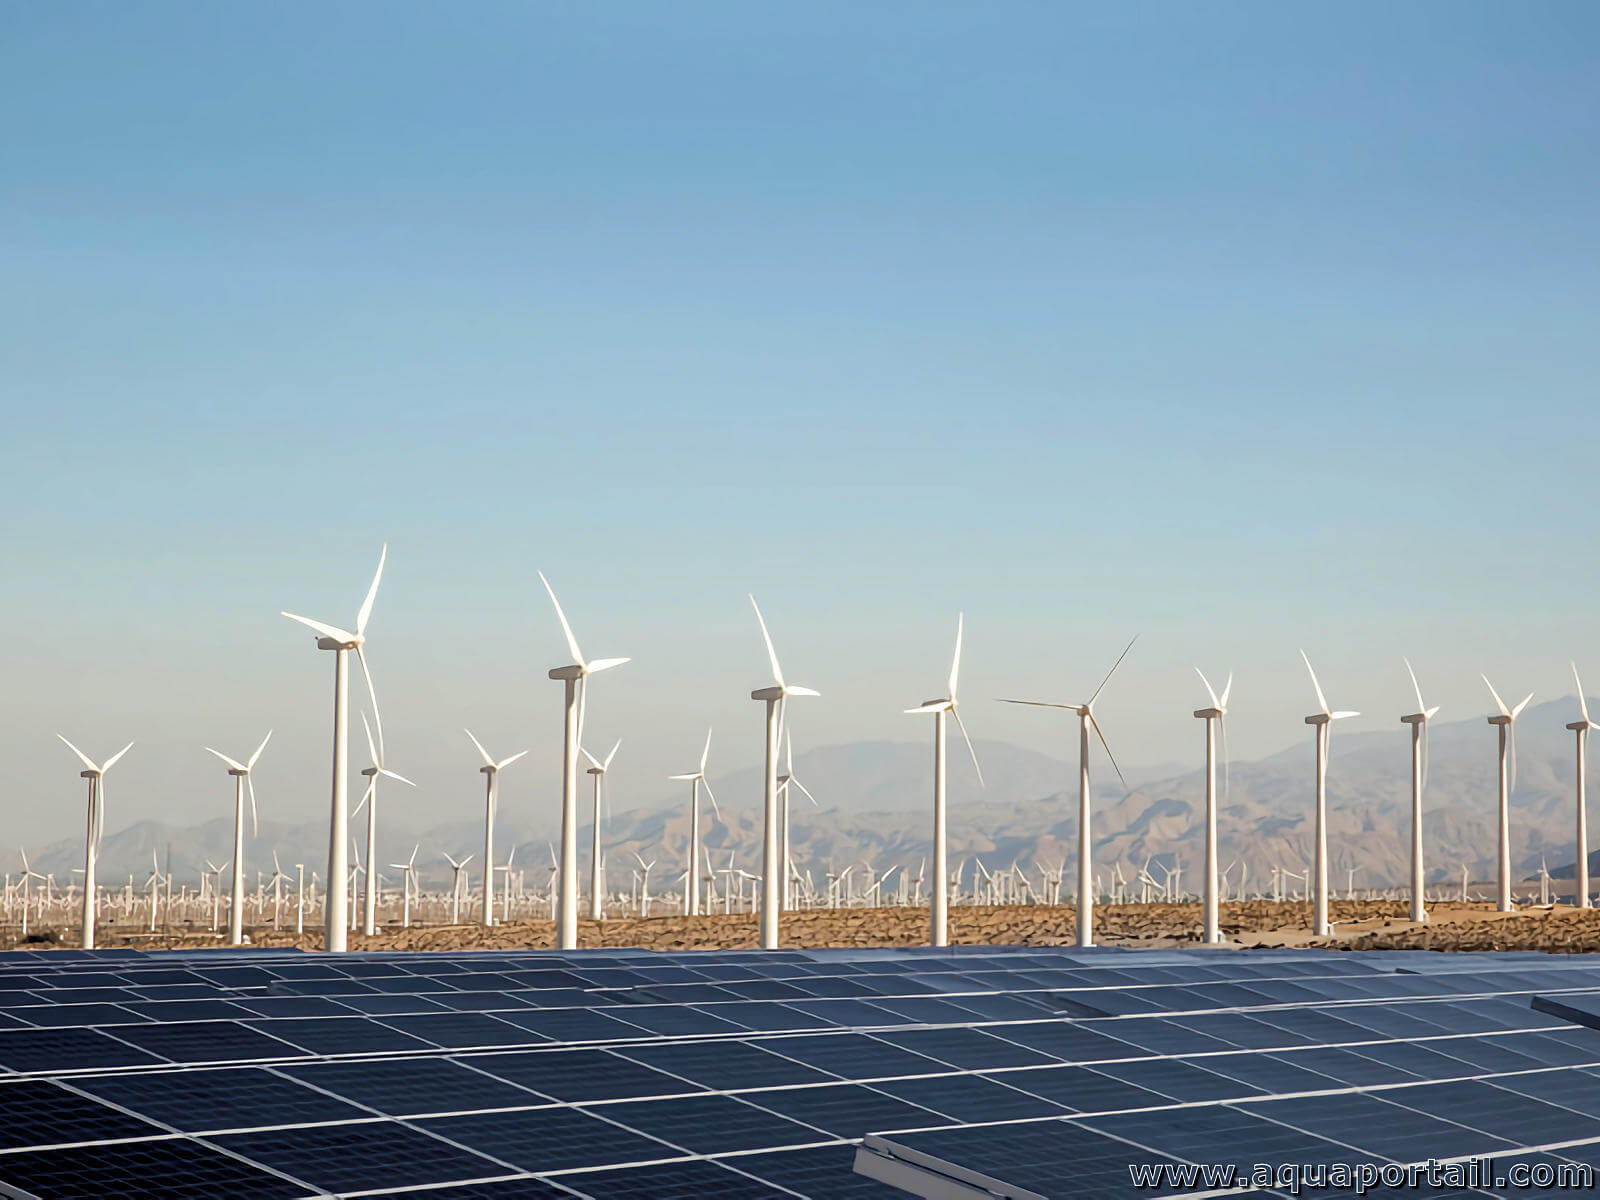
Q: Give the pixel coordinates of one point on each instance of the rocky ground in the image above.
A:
(1359, 925)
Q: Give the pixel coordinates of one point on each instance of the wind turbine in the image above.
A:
(1581, 729)
(491, 801)
(776, 698)
(1217, 713)
(1322, 723)
(939, 897)
(596, 904)
(1086, 720)
(96, 827)
(1506, 720)
(369, 896)
(1419, 780)
(784, 780)
(408, 873)
(575, 675)
(696, 779)
(341, 642)
(28, 876)
(243, 786)
(455, 885)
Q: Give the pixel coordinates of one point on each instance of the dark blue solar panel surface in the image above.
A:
(620, 1073)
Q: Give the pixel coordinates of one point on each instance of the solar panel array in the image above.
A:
(1021, 1072)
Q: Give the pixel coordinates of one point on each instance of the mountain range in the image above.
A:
(875, 801)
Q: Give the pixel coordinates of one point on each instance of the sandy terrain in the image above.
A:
(1360, 925)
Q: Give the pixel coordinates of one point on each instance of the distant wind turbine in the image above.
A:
(696, 779)
(1086, 721)
(1322, 723)
(1506, 721)
(1581, 729)
(369, 893)
(243, 785)
(1419, 780)
(776, 698)
(575, 675)
(784, 781)
(598, 770)
(96, 827)
(341, 642)
(942, 710)
(491, 779)
(1212, 716)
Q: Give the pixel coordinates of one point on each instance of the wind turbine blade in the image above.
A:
(788, 745)
(955, 662)
(384, 771)
(604, 664)
(772, 655)
(805, 791)
(252, 759)
(1521, 704)
(962, 725)
(372, 749)
(82, 757)
(615, 747)
(487, 761)
(506, 762)
(250, 790)
(372, 698)
(1583, 704)
(796, 690)
(1039, 704)
(1113, 670)
(1215, 703)
(1342, 713)
(936, 706)
(1499, 703)
(1322, 701)
(1107, 745)
(372, 592)
(1227, 688)
(362, 803)
(329, 631)
(590, 757)
(706, 753)
(1227, 761)
(583, 702)
(566, 629)
(237, 766)
(711, 796)
(413, 857)
(112, 761)
(1415, 686)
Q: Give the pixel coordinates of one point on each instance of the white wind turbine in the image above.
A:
(1212, 716)
(243, 785)
(1086, 720)
(369, 894)
(491, 802)
(341, 642)
(28, 876)
(598, 770)
(408, 875)
(96, 827)
(939, 896)
(784, 780)
(1581, 729)
(1322, 722)
(697, 779)
(575, 676)
(776, 698)
(1506, 721)
(455, 885)
(1419, 780)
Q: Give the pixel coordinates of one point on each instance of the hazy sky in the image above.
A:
(1243, 326)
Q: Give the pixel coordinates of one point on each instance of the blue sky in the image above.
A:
(1249, 326)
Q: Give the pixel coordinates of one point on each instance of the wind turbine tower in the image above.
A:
(1581, 729)
(1322, 723)
(775, 697)
(939, 896)
(243, 786)
(575, 676)
(1506, 721)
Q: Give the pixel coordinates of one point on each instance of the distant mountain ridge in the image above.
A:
(876, 798)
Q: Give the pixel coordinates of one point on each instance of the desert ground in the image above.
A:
(1359, 925)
